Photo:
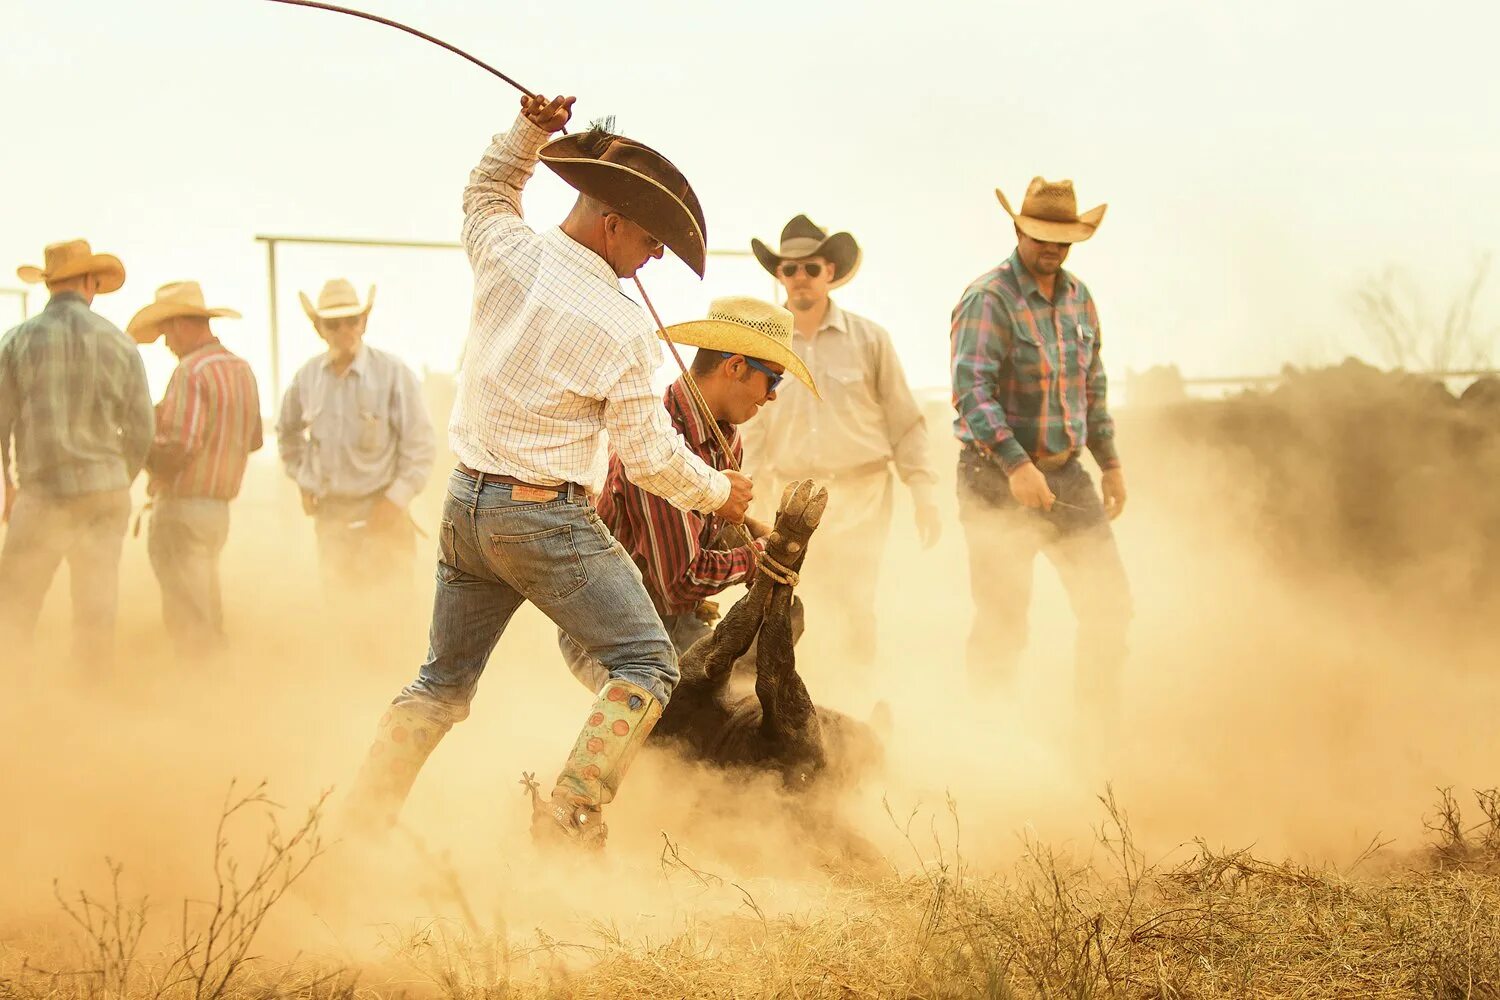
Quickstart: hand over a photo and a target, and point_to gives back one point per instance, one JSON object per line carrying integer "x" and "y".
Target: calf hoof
{"x": 802, "y": 506}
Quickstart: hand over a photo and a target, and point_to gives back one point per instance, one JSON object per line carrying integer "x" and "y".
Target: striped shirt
{"x": 673, "y": 547}
{"x": 207, "y": 424}
{"x": 1027, "y": 376}
{"x": 74, "y": 401}
{"x": 557, "y": 353}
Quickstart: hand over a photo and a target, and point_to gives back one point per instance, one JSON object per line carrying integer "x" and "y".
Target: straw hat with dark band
{"x": 637, "y": 182}
{"x": 72, "y": 259}
{"x": 742, "y": 325}
{"x": 1049, "y": 213}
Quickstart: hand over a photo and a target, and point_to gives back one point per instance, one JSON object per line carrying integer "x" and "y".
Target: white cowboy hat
{"x": 337, "y": 300}
{"x": 179, "y": 298}
{"x": 1049, "y": 213}
{"x": 742, "y": 325}
{"x": 72, "y": 258}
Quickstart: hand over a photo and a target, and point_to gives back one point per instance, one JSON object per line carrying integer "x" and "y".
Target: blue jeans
{"x": 497, "y": 552}
{"x": 684, "y": 630}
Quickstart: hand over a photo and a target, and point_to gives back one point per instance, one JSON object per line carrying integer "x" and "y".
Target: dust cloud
{"x": 1302, "y": 712}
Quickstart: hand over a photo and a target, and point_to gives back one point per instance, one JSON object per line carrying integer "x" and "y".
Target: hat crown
{"x": 186, "y": 293}
{"x": 771, "y": 320}
{"x": 802, "y": 228}
{"x": 57, "y": 256}
{"x": 1051, "y": 201}
{"x": 337, "y": 294}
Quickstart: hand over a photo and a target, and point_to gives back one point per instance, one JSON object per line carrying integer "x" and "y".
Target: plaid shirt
{"x": 73, "y": 397}
{"x": 207, "y": 424}
{"x": 1027, "y": 377}
{"x": 557, "y": 353}
{"x": 672, "y": 546}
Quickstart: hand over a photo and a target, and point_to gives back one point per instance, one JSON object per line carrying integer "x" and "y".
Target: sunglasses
{"x": 790, "y": 268}
{"x": 772, "y": 377}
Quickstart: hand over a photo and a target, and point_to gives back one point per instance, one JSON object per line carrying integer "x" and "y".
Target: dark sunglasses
{"x": 789, "y": 269}
{"x": 760, "y": 366}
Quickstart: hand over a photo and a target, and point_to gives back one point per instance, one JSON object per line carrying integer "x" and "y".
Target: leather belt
{"x": 1051, "y": 463}
{"x": 557, "y": 490}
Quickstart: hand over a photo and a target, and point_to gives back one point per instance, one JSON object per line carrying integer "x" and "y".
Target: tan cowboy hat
{"x": 72, "y": 258}
{"x": 639, "y": 183}
{"x": 742, "y": 325}
{"x": 1049, "y": 213}
{"x": 802, "y": 238}
{"x": 337, "y": 300}
{"x": 179, "y": 298}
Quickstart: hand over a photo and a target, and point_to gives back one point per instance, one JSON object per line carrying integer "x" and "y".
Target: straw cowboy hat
{"x": 1049, "y": 213}
{"x": 802, "y": 238}
{"x": 337, "y": 300}
{"x": 71, "y": 259}
{"x": 639, "y": 183}
{"x": 179, "y": 298}
{"x": 742, "y": 325}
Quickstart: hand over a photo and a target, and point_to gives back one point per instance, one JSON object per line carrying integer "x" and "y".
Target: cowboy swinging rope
{"x": 769, "y": 566}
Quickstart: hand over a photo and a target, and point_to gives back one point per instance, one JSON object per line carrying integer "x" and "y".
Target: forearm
{"x": 712, "y": 572}
{"x": 494, "y": 189}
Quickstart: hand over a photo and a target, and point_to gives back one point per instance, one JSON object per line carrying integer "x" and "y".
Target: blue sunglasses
{"x": 759, "y": 366}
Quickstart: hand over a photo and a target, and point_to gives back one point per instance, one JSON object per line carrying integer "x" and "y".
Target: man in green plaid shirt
{"x": 75, "y": 406}
{"x": 1030, "y": 391}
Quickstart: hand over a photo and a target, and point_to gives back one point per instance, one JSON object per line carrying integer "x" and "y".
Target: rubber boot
{"x": 403, "y": 742}
{"x": 621, "y": 719}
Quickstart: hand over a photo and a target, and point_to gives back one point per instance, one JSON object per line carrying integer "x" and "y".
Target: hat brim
{"x": 337, "y": 312}
{"x": 677, "y": 222}
{"x": 1051, "y": 231}
{"x": 145, "y": 326}
{"x": 722, "y": 335}
{"x": 107, "y": 266}
{"x": 840, "y": 250}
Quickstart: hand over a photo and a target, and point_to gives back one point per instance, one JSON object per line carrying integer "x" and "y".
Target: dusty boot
{"x": 618, "y": 724}
{"x": 403, "y": 741}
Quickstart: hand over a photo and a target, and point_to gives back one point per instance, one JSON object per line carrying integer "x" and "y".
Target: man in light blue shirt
{"x": 355, "y": 438}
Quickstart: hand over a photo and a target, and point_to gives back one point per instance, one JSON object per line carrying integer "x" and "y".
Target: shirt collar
{"x": 359, "y": 366}
{"x": 688, "y": 421}
{"x": 583, "y": 257}
{"x": 209, "y": 347}
{"x": 834, "y": 319}
{"x": 62, "y": 298}
{"x": 1060, "y": 291}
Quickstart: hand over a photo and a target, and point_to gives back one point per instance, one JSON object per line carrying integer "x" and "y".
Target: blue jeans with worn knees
{"x": 497, "y": 552}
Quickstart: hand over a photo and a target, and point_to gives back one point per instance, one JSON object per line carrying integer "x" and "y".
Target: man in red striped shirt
{"x": 686, "y": 557}
{"x": 207, "y": 424}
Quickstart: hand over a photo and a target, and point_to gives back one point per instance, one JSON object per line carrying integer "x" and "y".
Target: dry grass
{"x": 1215, "y": 924}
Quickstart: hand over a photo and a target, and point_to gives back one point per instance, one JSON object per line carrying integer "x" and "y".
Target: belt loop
{"x": 478, "y": 485}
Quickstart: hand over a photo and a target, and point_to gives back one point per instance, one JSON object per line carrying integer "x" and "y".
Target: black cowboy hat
{"x": 639, "y": 183}
{"x": 803, "y": 238}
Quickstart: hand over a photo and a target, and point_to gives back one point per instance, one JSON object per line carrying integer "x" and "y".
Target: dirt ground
{"x": 1303, "y": 716}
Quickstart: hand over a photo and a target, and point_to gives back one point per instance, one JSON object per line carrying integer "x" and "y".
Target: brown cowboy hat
{"x": 72, "y": 258}
{"x": 639, "y": 183}
{"x": 180, "y": 298}
{"x": 803, "y": 238}
{"x": 1049, "y": 213}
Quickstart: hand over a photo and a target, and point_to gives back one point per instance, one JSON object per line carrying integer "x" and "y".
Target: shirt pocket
{"x": 1082, "y": 342}
{"x": 374, "y": 432}
{"x": 851, "y": 384}
{"x": 1028, "y": 358}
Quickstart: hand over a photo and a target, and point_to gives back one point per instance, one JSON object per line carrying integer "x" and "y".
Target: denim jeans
{"x": 88, "y": 531}
{"x": 1004, "y": 539}
{"x": 360, "y": 561}
{"x": 497, "y": 552}
{"x": 684, "y": 630}
{"x": 187, "y": 535}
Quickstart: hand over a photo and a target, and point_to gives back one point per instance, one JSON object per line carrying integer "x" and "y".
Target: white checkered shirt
{"x": 557, "y": 353}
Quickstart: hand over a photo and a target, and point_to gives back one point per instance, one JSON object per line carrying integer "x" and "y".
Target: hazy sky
{"x": 1258, "y": 159}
